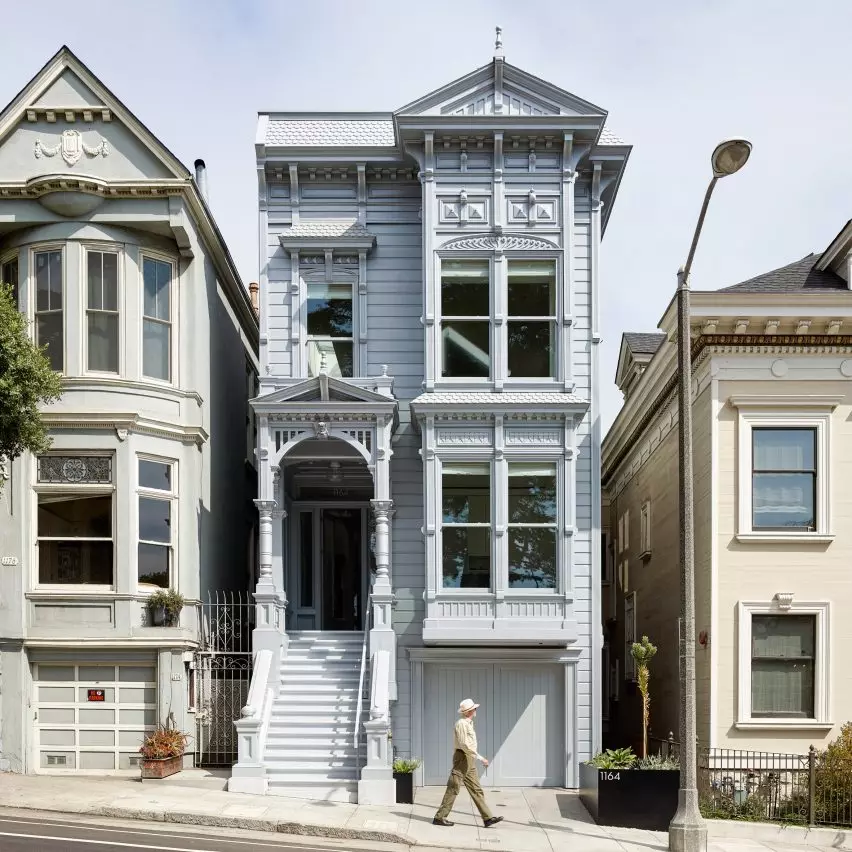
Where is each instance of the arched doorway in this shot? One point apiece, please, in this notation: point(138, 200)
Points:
point(327, 489)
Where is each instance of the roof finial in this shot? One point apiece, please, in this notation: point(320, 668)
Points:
point(498, 44)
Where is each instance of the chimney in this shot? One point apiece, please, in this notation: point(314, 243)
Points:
point(253, 290)
point(201, 178)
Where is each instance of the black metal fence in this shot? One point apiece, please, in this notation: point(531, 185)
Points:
point(804, 789)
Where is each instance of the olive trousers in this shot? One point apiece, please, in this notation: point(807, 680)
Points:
point(463, 772)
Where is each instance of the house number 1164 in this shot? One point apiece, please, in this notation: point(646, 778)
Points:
point(610, 776)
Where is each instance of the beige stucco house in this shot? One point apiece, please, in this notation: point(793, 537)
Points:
point(772, 444)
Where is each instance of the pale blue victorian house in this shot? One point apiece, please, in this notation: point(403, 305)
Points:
point(428, 437)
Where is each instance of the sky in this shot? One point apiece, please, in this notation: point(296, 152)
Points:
point(676, 76)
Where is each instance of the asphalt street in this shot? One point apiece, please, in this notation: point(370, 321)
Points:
point(30, 835)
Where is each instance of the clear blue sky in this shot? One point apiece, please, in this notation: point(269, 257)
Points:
point(675, 76)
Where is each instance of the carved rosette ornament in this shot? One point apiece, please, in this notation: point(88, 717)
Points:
point(72, 147)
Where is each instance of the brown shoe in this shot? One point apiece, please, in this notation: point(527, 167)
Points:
point(445, 822)
point(493, 821)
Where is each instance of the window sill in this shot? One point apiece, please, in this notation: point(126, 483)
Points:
point(784, 538)
point(784, 725)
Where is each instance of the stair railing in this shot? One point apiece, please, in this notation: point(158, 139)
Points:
point(356, 735)
point(248, 775)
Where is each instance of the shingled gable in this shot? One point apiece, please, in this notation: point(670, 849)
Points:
point(635, 353)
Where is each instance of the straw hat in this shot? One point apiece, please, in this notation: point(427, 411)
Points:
point(467, 705)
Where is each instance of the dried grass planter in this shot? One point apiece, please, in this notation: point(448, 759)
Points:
point(162, 752)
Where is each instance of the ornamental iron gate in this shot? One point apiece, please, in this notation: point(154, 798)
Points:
point(222, 667)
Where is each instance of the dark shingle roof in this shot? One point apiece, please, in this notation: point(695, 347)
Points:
point(793, 278)
point(643, 344)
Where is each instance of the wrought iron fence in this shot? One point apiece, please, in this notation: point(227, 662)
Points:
point(222, 673)
point(806, 789)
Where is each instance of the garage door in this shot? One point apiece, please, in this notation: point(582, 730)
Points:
point(93, 716)
point(520, 725)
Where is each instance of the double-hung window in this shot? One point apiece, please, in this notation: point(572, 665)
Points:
point(784, 479)
point(9, 275)
point(157, 319)
point(783, 664)
point(466, 525)
point(531, 291)
point(465, 319)
point(75, 520)
point(102, 311)
point(532, 526)
point(329, 326)
point(156, 523)
point(48, 308)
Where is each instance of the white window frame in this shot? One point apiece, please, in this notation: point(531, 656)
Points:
point(805, 412)
point(103, 248)
point(171, 497)
point(174, 318)
point(822, 680)
point(32, 290)
point(645, 530)
point(83, 488)
point(550, 318)
point(352, 340)
point(492, 474)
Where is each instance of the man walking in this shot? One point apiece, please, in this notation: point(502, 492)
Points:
point(464, 771)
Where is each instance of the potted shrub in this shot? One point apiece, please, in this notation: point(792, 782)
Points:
point(162, 752)
point(643, 652)
point(165, 606)
point(403, 769)
point(619, 789)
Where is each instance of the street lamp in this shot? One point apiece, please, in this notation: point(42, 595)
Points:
point(688, 831)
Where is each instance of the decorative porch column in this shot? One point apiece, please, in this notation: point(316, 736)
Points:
point(270, 602)
point(382, 636)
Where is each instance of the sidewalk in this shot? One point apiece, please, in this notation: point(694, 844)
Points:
point(536, 820)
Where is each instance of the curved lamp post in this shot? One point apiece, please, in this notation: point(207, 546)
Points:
point(688, 831)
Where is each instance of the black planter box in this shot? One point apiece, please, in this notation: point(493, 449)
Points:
point(404, 788)
point(630, 798)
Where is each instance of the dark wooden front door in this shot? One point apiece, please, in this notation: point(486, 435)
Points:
point(341, 569)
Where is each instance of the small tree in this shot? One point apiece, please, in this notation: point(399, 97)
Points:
point(642, 652)
point(26, 381)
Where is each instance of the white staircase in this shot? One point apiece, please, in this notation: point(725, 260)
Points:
point(310, 752)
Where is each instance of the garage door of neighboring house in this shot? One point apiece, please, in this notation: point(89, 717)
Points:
point(93, 716)
point(520, 725)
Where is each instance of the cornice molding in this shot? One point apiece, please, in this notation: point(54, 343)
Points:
point(498, 242)
point(124, 424)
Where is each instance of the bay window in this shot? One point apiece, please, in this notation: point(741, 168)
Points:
point(157, 319)
point(532, 526)
point(74, 520)
point(156, 511)
point(531, 292)
point(466, 526)
point(49, 317)
point(102, 316)
point(465, 319)
point(329, 326)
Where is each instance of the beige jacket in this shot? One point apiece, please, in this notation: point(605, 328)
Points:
point(464, 738)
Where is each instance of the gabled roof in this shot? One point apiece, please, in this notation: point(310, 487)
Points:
point(322, 388)
point(643, 344)
point(64, 59)
point(797, 277)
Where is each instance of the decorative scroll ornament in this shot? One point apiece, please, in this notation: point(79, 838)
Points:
point(493, 242)
point(72, 147)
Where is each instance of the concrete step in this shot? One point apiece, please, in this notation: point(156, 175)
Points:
point(310, 679)
point(300, 772)
point(316, 789)
point(316, 740)
point(330, 726)
point(296, 760)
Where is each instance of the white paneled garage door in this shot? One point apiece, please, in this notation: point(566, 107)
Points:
point(520, 725)
point(93, 717)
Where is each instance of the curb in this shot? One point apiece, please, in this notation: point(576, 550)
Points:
point(244, 823)
point(770, 832)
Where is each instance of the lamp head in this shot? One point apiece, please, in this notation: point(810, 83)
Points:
point(730, 156)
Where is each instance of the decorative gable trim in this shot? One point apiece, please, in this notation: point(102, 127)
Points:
point(498, 242)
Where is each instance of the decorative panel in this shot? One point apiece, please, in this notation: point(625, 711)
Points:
point(465, 608)
point(534, 608)
point(523, 210)
point(453, 211)
point(465, 437)
point(75, 469)
point(533, 437)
